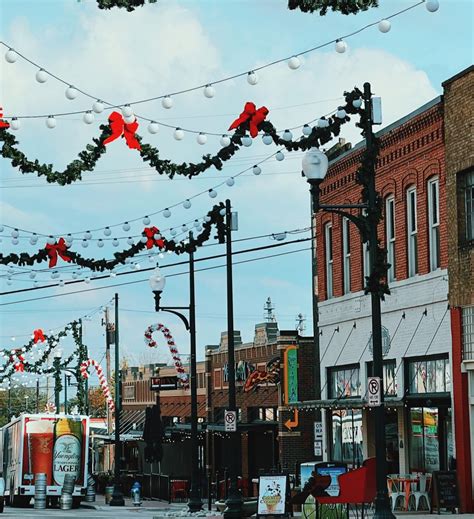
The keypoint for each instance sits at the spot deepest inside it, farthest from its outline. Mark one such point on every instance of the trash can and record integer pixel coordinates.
(108, 494)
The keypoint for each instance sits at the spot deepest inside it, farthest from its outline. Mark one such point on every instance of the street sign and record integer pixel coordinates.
(230, 421)
(374, 390)
(318, 448)
(318, 430)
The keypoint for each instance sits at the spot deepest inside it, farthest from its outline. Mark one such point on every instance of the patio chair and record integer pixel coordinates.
(395, 490)
(422, 491)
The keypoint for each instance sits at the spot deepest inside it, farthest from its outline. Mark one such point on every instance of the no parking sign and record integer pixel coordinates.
(230, 421)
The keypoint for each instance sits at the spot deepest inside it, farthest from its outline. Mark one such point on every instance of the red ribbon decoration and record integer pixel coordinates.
(122, 129)
(57, 249)
(19, 366)
(150, 232)
(3, 124)
(38, 336)
(253, 116)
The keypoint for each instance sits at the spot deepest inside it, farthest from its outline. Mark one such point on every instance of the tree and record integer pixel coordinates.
(342, 6)
(19, 400)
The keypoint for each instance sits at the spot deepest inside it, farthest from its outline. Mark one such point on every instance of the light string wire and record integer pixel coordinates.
(201, 86)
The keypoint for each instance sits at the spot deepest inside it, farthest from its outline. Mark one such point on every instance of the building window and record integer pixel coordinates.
(129, 392)
(429, 375)
(389, 376)
(346, 252)
(344, 382)
(347, 437)
(433, 223)
(217, 379)
(412, 231)
(466, 206)
(329, 260)
(390, 235)
(468, 332)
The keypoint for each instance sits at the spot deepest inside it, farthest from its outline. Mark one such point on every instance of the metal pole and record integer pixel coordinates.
(117, 496)
(9, 411)
(57, 383)
(382, 503)
(86, 384)
(65, 393)
(108, 373)
(234, 500)
(37, 395)
(195, 502)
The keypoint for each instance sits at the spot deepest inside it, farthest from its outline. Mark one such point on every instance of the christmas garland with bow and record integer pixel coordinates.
(129, 5)
(87, 159)
(51, 252)
(13, 354)
(342, 6)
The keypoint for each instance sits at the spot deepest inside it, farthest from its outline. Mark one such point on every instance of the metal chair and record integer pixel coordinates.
(422, 491)
(395, 490)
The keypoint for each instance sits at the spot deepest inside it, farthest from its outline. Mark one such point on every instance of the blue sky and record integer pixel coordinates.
(165, 47)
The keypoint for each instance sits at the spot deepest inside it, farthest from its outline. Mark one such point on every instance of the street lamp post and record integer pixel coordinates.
(315, 166)
(57, 378)
(234, 500)
(117, 496)
(157, 283)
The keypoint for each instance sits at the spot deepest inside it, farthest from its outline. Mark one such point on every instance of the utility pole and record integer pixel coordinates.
(108, 331)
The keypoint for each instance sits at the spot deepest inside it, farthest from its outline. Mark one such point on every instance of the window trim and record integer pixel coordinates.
(412, 234)
(390, 236)
(329, 259)
(433, 226)
(346, 254)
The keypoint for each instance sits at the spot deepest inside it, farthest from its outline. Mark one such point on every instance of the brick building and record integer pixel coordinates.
(411, 179)
(459, 138)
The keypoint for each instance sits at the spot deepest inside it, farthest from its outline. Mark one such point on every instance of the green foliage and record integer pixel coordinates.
(19, 400)
(129, 5)
(341, 6)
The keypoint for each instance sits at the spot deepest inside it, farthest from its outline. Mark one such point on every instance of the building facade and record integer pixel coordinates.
(459, 138)
(411, 179)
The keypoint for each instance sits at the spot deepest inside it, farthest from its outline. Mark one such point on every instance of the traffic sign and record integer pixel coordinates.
(230, 421)
(374, 390)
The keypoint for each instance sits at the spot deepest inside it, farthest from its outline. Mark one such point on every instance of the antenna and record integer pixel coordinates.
(300, 323)
(268, 308)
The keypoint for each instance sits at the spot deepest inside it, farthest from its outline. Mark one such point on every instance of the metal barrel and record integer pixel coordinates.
(68, 485)
(90, 493)
(108, 494)
(40, 491)
(65, 502)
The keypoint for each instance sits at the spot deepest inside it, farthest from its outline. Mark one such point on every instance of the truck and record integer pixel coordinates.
(52, 444)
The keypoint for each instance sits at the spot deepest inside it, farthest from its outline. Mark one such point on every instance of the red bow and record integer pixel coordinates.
(57, 249)
(19, 366)
(38, 335)
(254, 117)
(150, 232)
(122, 129)
(3, 124)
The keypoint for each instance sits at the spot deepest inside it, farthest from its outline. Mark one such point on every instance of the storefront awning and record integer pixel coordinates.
(343, 403)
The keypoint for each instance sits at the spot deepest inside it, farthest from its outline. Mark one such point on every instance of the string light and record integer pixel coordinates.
(384, 26)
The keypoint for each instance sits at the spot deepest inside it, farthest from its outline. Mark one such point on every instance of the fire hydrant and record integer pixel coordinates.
(136, 494)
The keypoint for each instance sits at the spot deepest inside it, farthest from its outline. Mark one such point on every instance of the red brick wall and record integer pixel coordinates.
(409, 155)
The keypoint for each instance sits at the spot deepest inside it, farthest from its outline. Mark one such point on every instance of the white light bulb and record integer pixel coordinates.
(212, 193)
(431, 5)
(167, 102)
(153, 127)
(166, 213)
(184, 228)
(130, 240)
(252, 78)
(87, 235)
(247, 141)
(32, 274)
(9, 281)
(341, 113)
(256, 170)
(130, 119)
(51, 240)
(357, 103)
(146, 220)
(201, 138)
(100, 242)
(85, 244)
(307, 130)
(107, 231)
(230, 181)
(41, 76)
(267, 139)
(196, 223)
(74, 275)
(15, 241)
(34, 239)
(127, 111)
(225, 141)
(51, 122)
(87, 280)
(187, 204)
(61, 283)
(143, 239)
(157, 236)
(88, 117)
(179, 134)
(279, 156)
(287, 135)
(294, 63)
(384, 26)
(98, 106)
(115, 242)
(15, 124)
(341, 46)
(126, 226)
(173, 232)
(15, 233)
(209, 91)
(71, 93)
(11, 56)
(222, 211)
(113, 275)
(321, 123)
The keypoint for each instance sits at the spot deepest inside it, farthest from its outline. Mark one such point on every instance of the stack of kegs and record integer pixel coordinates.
(65, 501)
(40, 491)
(90, 492)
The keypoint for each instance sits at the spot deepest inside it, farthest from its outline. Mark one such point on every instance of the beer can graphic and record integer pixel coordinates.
(67, 454)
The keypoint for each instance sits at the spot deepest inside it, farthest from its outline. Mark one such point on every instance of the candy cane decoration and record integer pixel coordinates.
(102, 380)
(50, 408)
(182, 375)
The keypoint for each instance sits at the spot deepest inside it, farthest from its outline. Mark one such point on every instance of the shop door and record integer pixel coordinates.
(261, 452)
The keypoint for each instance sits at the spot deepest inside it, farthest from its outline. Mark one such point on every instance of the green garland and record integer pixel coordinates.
(88, 158)
(129, 5)
(342, 6)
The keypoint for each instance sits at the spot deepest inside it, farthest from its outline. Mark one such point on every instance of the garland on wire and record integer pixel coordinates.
(60, 249)
(129, 5)
(102, 380)
(320, 134)
(182, 375)
(342, 6)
